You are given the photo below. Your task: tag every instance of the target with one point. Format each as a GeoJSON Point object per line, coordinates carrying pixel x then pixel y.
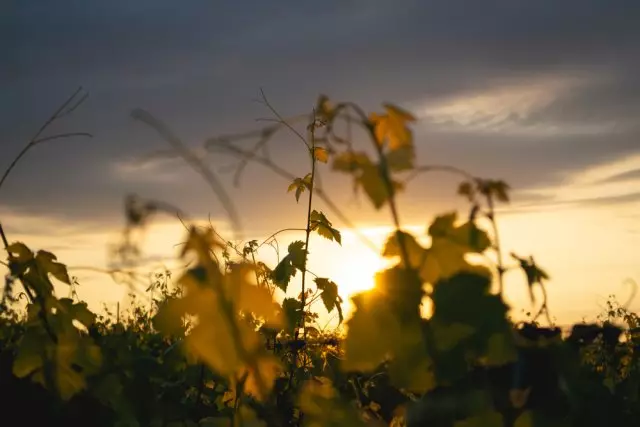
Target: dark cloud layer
{"type": "Point", "coordinates": [199, 65]}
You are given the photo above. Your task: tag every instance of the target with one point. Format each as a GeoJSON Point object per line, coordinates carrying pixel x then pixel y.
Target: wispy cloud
{"type": "Point", "coordinates": [609, 183]}
{"type": "Point", "coordinates": [512, 108]}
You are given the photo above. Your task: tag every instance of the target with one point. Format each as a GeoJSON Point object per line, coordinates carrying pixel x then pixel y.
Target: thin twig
{"type": "Point", "coordinates": [196, 163]}
{"type": "Point", "coordinates": [268, 163]}
{"type": "Point", "coordinates": [282, 120]}
{"type": "Point", "coordinates": [60, 112]}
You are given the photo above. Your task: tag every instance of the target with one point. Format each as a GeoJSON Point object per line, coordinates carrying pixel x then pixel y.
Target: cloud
{"type": "Point", "coordinates": [609, 183]}
{"type": "Point", "coordinates": [528, 91]}
{"type": "Point", "coordinates": [631, 175]}
{"type": "Point", "coordinates": [159, 168]}
{"type": "Point", "coordinates": [505, 108]}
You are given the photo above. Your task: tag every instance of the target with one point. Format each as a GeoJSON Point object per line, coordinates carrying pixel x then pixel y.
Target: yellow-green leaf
{"type": "Point", "coordinates": [392, 127]}
{"type": "Point", "coordinates": [321, 154]}
{"type": "Point", "coordinates": [414, 250]}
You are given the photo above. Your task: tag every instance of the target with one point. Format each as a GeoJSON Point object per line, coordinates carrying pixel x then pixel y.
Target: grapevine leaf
{"type": "Point", "coordinates": [365, 351]}
{"type": "Point", "coordinates": [47, 261]}
{"type": "Point", "coordinates": [297, 254]}
{"type": "Point", "coordinates": [449, 245]}
{"type": "Point", "coordinates": [323, 406]}
{"type": "Point", "coordinates": [319, 222]}
{"type": "Point", "coordinates": [329, 295]}
{"type": "Point", "coordinates": [292, 309]}
{"type": "Point", "coordinates": [391, 127]}
{"type": "Point", "coordinates": [415, 252]}
{"type": "Point", "coordinates": [38, 281]}
{"type": "Point", "coordinates": [391, 309]}
{"type": "Point", "coordinates": [401, 158]}
{"type": "Point", "coordinates": [300, 184]}
{"type": "Point", "coordinates": [20, 252]}
{"type": "Point", "coordinates": [465, 299]}
{"type": "Point", "coordinates": [224, 337]}
{"type": "Point", "coordinates": [350, 161]}
{"type": "Point", "coordinates": [29, 358]}
{"type": "Point", "coordinates": [68, 361]}
{"type": "Point", "coordinates": [448, 335]}
{"type": "Point", "coordinates": [533, 273]}
{"type": "Point", "coordinates": [78, 311]}
{"type": "Point", "coordinates": [375, 186]}
{"type": "Point", "coordinates": [289, 265]}
{"type": "Point", "coordinates": [267, 368]}
{"type": "Point", "coordinates": [249, 298]}
{"type": "Point", "coordinates": [283, 273]}
{"type": "Point", "coordinates": [321, 154]}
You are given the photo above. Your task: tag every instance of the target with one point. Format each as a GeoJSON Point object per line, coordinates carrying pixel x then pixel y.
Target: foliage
{"type": "Point", "coordinates": [217, 348]}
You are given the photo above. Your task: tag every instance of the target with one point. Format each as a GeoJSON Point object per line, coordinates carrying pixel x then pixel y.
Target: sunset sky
{"type": "Point", "coordinates": [543, 94]}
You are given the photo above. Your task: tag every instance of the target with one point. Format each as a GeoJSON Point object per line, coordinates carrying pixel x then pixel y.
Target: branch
{"type": "Point", "coordinates": [195, 163]}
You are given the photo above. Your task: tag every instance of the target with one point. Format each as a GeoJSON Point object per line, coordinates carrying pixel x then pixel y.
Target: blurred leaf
{"type": "Point", "coordinates": [267, 368]}
{"type": "Point", "coordinates": [350, 161]}
{"type": "Point", "coordinates": [392, 127]}
{"type": "Point", "coordinates": [374, 185]}
{"type": "Point", "coordinates": [447, 336]}
{"type": "Point", "coordinates": [401, 159]}
{"type": "Point", "coordinates": [321, 154]}
{"type": "Point", "coordinates": [323, 407]}
{"type": "Point", "coordinates": [415, 252]}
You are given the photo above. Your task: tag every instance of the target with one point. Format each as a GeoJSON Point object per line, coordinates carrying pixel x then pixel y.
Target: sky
{"type": "Point", "coordinates": [541, 94]}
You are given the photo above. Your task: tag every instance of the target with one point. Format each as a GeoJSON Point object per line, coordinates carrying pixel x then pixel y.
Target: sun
{"type": "Point", "coordinates": [355, 273]}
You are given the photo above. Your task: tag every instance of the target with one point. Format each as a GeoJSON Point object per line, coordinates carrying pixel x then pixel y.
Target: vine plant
{"type": "Point", "coordinates": [464, 364]}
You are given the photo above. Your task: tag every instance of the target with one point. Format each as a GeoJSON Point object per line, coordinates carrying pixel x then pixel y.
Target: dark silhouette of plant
{"type": "Point", "coordinates": [216, 347]}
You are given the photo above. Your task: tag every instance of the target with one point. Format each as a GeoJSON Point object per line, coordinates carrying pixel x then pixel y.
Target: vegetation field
{"type": "Point", "coordinates": [432, 344]}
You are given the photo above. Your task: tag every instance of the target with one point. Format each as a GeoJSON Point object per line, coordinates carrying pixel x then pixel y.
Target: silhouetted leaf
{"type": "Point", "coordinates": [319, 222]}
{"type": "Point", "coordinates": [329, 295]}
{"type": "Point", "coordinates": [47, 262]}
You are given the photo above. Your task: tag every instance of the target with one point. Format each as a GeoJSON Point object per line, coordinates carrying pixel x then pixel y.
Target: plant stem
{"type": "Point", "coordinates": [384, 171]}
{"type": "Point", "coordinates": [312, 152]}
{"type": "Point", "coordinates": [496, 238]}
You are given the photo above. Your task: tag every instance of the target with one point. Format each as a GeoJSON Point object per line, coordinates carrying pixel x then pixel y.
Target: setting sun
{"type": "Point", "coordinates": [357, 274]}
